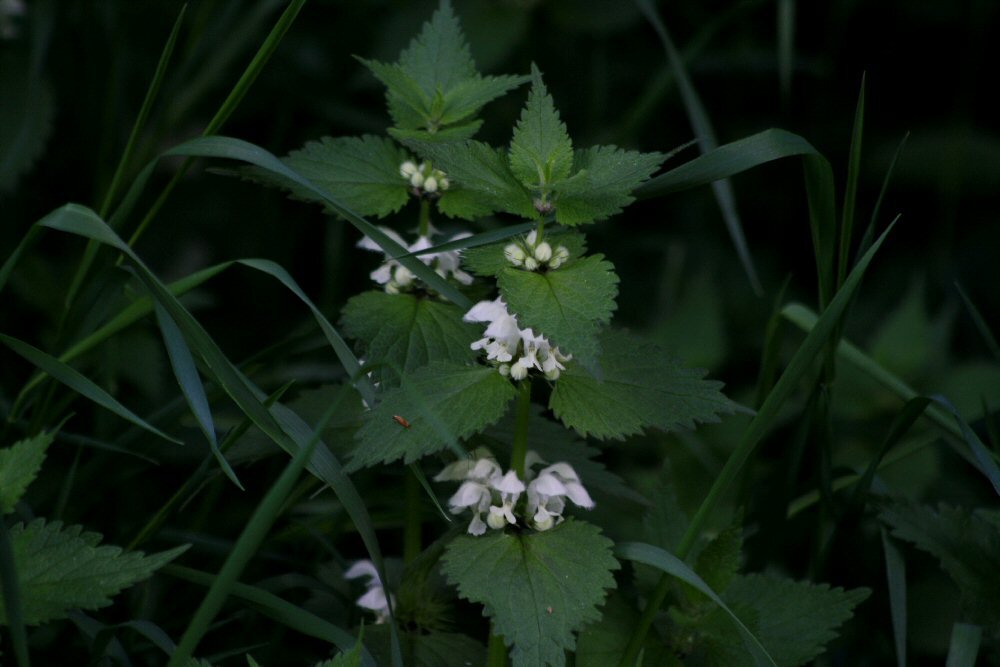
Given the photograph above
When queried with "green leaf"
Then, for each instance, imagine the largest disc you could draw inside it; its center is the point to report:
(403, 332)
(350, 658)
(484, 170)
(438, 59)
(60, 569)
(719, 561)
(794, 620)
(440, 404)
(568, 305)
(602, 183)
(967, 543)
(541, 152)
(642, 388)
(489, 260)
(19, 464)
(25, 117)
(603, 643)
(361, 172)
(409, 106)
(460, 132)
(469, 96)
(539, 588)
(963, 648)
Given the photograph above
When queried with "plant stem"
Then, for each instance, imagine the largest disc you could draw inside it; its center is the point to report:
(411, 517)
(11, 598)
(496, 651)
(521, 416)
(424, 225)
(540, 231)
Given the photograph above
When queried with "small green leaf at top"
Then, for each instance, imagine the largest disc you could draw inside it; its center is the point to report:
(642, 387)
(402, 332)
(60, 569)
(541, 152)
(568, 305)
(362, 173)
(539, 588)
(19, 465)
(435, 407)
(602, 183)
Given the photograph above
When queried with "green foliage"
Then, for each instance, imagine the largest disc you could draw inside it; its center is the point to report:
(489, 260)
(60, 569)
(434, 86)
(719, 561)
(427, 649)
(642, 387)
(539, 588)
(440, 403)
(602, 182)
(968, 545)
(361, 172)
(569, 305)
(603, 643)
(19, 464)
(541, 152)
(400, 333)
(793, 620)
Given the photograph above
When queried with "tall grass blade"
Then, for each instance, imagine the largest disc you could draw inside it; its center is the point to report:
(476, 240)
(191, 387)
(673, 566)
(895, 574)
(869, 234)
(12, 598)
(964, 647)
(766, 417)
(277, 609)
(977, 318)
(702, 127)
(79, 383)
(851, 187)
(12, 260)
(280, 424)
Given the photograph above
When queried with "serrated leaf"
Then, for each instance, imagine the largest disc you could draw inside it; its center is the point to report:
(568, 305)
(539, 588)
(489, 260)
(25, 117)
(466, 98)
(19, 464)
(361, 172)
(409, 106)
(481, 169)
(967, 543)
(541, 152)
(602, 183)
(403, 332)
(60, 569)
(438, 58)
(439, 404)
(793, 620)
(719, 561)
(457, 202)
(449, 134)
(642, 387)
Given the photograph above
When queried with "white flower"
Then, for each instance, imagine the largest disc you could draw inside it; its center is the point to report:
(375, 598)
(503, 340)
(543, 252)
(560, 256)
(396, 277)
(476, 491)
(548, 491)
(534, 254)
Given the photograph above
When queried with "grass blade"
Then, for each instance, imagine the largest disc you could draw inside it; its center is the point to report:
(869, 234)
(673, 566)
(79, 383)
(964, 647)
(193, 390)
(702, 127)
(280, 424)
(980, 323)
(476, 240)
(12, 260)
(895, 574)
(851, 188)
(12, 597)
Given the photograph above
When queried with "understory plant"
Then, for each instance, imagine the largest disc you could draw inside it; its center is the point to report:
(454, 462)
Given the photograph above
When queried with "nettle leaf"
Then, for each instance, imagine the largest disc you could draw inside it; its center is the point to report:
(568, 305)
(409, 106)
(449, 134)
(402, 332)
(539, 588)
(602, 182)
(19, 464)
(642, 387)
(438, 59)
(361, 172)
(471, 95)
(541, 152)
(483, 170)
(966, 542)
(719, 561)
(489, 260)
(60, 569)
(793, 620)
(440, 404)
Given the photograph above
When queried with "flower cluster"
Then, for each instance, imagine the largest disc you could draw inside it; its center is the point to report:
(375, 598)
(533, 255)
(397, 278)
(487, 489)
(423, 178)
(503, 340)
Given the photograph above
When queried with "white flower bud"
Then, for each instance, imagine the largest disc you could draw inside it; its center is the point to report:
(514, 254)
(403, 276)
(552, 374)
(417, 180)
(543, 252)
(532, 237)
(391, 287)
(560, 255)
(407, 169)
(531, 263)
(496, 519)
(444, 183)
(430, 184)
(543, 521)
(504, 369)
(518, 371)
